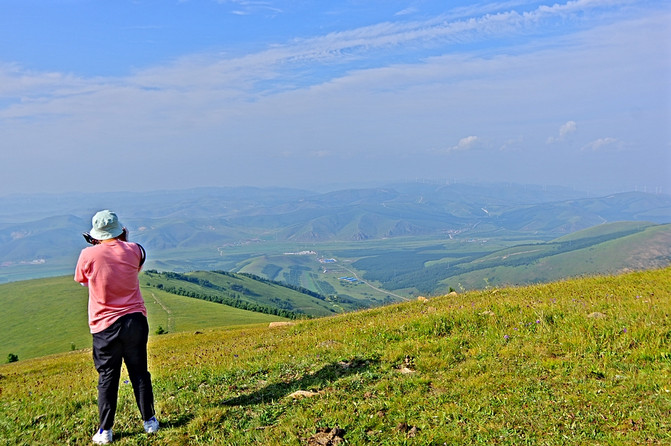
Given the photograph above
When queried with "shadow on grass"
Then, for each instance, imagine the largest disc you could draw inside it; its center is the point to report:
(317, 380)
(177, 420)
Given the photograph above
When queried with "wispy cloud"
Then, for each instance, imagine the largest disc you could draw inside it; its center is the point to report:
(512, 144)
(343, 47)
(464, 144)
(337, 48)
(331, 96)
(604, 144)
(443, 28)
(246, 7)
(565, 130)
(406, 11)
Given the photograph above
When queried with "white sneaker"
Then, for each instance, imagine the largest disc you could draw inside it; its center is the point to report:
(103, 437)
(151, 425)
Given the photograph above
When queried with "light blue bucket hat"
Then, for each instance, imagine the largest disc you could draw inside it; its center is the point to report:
(106, 225)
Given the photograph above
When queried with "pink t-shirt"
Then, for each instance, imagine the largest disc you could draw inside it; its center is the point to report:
(110, 270)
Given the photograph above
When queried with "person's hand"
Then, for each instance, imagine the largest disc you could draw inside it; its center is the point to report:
(90, 240)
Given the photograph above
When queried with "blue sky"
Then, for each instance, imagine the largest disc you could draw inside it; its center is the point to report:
(147, 95)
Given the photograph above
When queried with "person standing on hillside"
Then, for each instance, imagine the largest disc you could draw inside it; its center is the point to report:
(117, 318)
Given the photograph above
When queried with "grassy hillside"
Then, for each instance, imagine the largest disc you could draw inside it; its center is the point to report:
(45, 316)
(583, 361)
(604, 249)
(309, 272)
(478, 263)
(242, 291)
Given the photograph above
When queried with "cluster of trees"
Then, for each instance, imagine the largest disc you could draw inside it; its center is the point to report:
(299, 289)
(549, 249)
(184, 278)
(293, 276)
(325, 287)
(232, 300)
(271, 270)
(407, 269)
(399, 270)
(230, 296)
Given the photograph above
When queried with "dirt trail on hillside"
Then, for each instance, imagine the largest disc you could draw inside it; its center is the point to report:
(171, 321)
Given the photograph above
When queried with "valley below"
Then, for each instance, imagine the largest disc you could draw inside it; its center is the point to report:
(364, 247)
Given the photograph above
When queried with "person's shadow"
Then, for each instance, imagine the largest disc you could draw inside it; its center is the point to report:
(317, 380)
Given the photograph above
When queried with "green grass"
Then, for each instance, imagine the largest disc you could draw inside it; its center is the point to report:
(46, 316)
(306, 271)
(239, 287)
(587, 252)
(578, 362)
(179, 314)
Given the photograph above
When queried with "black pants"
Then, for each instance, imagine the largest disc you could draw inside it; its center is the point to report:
(125, 339)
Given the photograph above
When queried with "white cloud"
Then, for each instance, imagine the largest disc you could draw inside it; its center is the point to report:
(565, 130)
(250, 7)
(222, 101)
(464, 144)
(603, 144)
(343, 47)
(512, 144)
(406, 11)
(348, 45)
(442, 28)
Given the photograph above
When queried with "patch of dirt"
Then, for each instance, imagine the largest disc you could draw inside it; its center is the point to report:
(410, 431)
(327, 436)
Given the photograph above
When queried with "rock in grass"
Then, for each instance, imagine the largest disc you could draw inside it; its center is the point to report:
(327, 436)
(280, 324)
(303, 394)
(405, 428)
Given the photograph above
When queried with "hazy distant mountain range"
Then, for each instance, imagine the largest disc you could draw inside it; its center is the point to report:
(40, 235)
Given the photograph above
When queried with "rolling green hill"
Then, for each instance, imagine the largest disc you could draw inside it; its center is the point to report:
(242, 291)
(603, 249)
(176, 302)
(576, 362)
(45, 316)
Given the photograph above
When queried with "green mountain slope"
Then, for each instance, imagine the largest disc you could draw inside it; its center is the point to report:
(45, 316)
(604, 249)
(242, 291)
(584, 361)
(175, 302)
